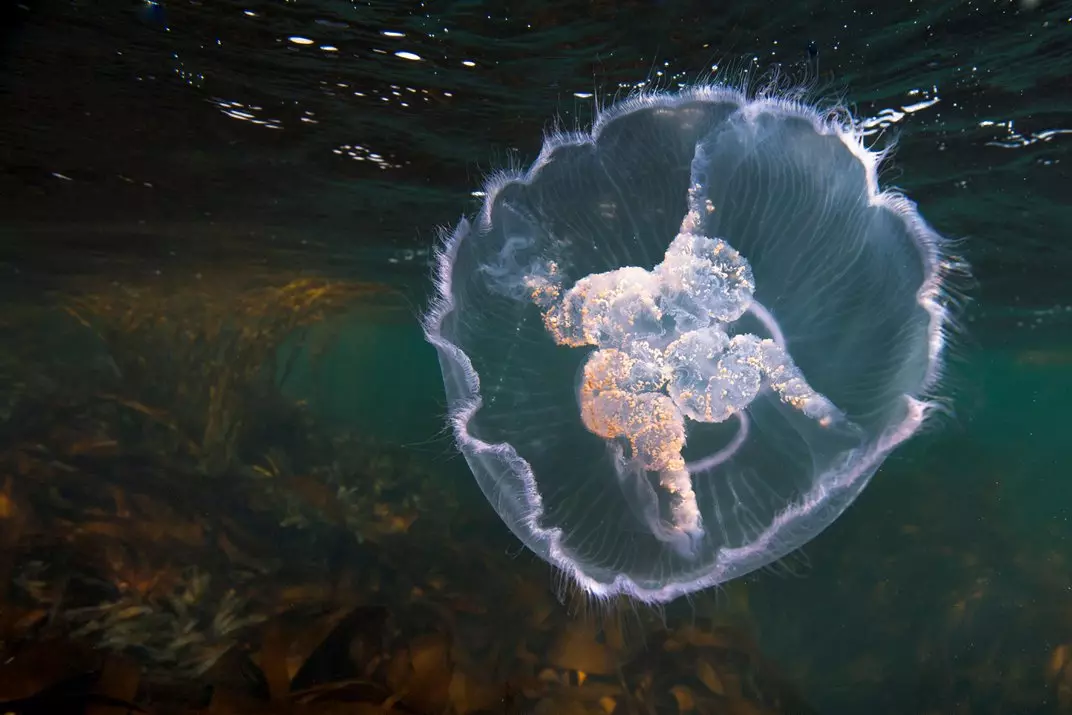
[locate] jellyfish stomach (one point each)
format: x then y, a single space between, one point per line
713 461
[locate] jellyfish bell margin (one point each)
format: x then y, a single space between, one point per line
677 347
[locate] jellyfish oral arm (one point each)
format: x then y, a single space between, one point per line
641 384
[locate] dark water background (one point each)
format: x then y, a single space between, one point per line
142 139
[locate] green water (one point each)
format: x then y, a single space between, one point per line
952 565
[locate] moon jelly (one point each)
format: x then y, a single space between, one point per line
677 347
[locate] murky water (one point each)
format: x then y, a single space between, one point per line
160 143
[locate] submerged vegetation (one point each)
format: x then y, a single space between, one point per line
180 534
177 533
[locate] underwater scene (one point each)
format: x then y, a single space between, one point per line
535 358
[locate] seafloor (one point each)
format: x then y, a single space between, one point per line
179 535
185 531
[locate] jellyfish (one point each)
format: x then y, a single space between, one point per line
678 346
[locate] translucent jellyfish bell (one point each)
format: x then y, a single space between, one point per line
676 348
